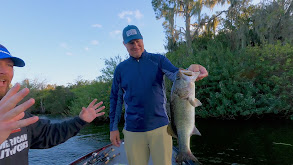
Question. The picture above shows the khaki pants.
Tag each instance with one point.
(140, 145)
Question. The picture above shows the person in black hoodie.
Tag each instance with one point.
(20, 130)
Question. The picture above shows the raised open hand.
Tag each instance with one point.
(91, 112)
(11, 115)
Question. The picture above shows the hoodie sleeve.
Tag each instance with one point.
(45, 134)
(168, 68)
(116, 102)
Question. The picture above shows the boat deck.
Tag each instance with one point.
(112, 155)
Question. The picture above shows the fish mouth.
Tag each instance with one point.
(188, 75)
(186, 72)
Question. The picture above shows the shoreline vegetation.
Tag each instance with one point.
(249, 59)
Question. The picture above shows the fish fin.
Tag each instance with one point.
(196, 131)
(194, 102)
(170, 131)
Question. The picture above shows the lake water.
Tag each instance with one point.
(268, 142)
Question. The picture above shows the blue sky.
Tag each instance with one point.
(62, 41)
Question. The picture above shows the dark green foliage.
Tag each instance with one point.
(87, 93)
(276, 68)
(58, 101)
(38, 91)
(273, 21)
(39, 96)
(249, 63)
(241, 84)
(266, 23)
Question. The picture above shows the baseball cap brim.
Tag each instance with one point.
(4, 53)
(17, 62)
(132, 38)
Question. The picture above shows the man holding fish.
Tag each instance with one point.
(138, 81)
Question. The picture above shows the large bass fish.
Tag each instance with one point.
(182, 114)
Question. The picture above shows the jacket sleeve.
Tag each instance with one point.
(168, 68)
(45, 134)
(116, 102)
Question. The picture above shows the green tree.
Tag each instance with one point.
(37, 91)
(108, 71)
(273, 21)
(84, 94)
(238, 25)
(58, 101)
(99, 89)
(188, 9)
(254, 82)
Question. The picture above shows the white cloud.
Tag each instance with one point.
(128, 15)
(137, 14)
(115, 33)
(96, 25)
(95, 42)
(128, 19)
(86, 48)
(69, 54)
(124, 13)
(64, 45)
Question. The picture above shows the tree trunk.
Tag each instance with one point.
(187, 27)
(43, 109)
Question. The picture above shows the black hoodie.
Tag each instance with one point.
(40, 135)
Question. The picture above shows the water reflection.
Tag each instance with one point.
(90, 138)
(244, 142)
(222, 142)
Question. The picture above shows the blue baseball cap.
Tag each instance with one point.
(4, 53)
(131, 32)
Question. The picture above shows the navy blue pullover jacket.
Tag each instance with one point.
(140, 84)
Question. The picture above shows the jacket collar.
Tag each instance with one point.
(141, 57)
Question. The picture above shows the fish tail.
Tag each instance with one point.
(185, 156)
